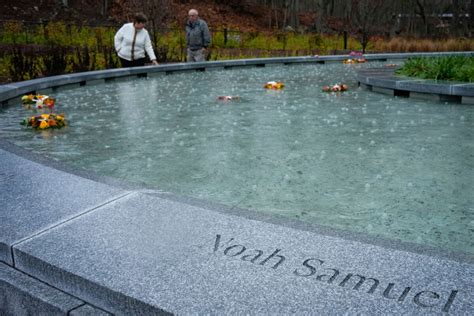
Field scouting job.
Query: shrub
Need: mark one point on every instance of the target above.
(457, 68)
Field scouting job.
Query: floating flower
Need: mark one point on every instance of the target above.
(339, 87)
(28, 99)
(44, 125)
(274, 85)
(44, 120)
(38, 102)
(227, 98)
(357, 54)
(354, 61)
(354, 58)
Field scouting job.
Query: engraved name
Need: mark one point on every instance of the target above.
(321, 272)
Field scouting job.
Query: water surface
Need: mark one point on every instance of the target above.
(359, 161)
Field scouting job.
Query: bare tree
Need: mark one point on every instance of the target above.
(368, 18)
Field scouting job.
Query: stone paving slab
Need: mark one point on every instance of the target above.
(35, 198)
(149, 255)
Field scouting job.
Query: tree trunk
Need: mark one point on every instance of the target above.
(319, 16)
(294, 17)
(455, 31)
(422, 13)
(105, 7)
(471, 19)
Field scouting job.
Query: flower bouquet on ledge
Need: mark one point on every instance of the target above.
(41, 104)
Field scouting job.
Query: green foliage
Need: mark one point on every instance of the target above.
(455, 68)
(21, 67)
(68, 48)
(54, 62)
(233, 39)
(171, 46)
(260, 41)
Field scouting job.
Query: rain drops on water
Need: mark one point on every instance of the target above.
(367, 187)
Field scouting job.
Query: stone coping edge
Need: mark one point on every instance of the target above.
(240, 212)
(25, 295)
(384, 80)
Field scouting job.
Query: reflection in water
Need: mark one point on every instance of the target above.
(393, 167)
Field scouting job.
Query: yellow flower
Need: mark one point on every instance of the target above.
(274, 85)
(45, 116)
(44, 125)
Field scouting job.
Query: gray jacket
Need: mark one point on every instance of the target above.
(197, 35)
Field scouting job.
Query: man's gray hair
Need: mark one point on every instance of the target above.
(193, 12)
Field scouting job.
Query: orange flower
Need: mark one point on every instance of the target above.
(44, 125)
(49, 102)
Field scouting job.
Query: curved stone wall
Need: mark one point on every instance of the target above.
(13, 90)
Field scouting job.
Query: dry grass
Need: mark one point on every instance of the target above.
(403, 45)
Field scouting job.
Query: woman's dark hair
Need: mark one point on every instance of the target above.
(139, 18)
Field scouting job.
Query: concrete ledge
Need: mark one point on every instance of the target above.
(383, 80)
(23, 295)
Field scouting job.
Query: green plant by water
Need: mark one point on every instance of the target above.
(453, 68)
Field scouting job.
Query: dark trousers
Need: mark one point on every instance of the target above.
(133, 63)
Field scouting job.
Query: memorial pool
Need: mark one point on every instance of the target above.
(389, 167)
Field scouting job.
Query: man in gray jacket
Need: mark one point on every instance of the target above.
(198, 37)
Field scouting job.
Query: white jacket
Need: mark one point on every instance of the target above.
(123, 43)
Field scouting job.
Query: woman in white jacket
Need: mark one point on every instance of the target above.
(132, 41)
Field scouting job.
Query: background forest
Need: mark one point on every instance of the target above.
(48, 37)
